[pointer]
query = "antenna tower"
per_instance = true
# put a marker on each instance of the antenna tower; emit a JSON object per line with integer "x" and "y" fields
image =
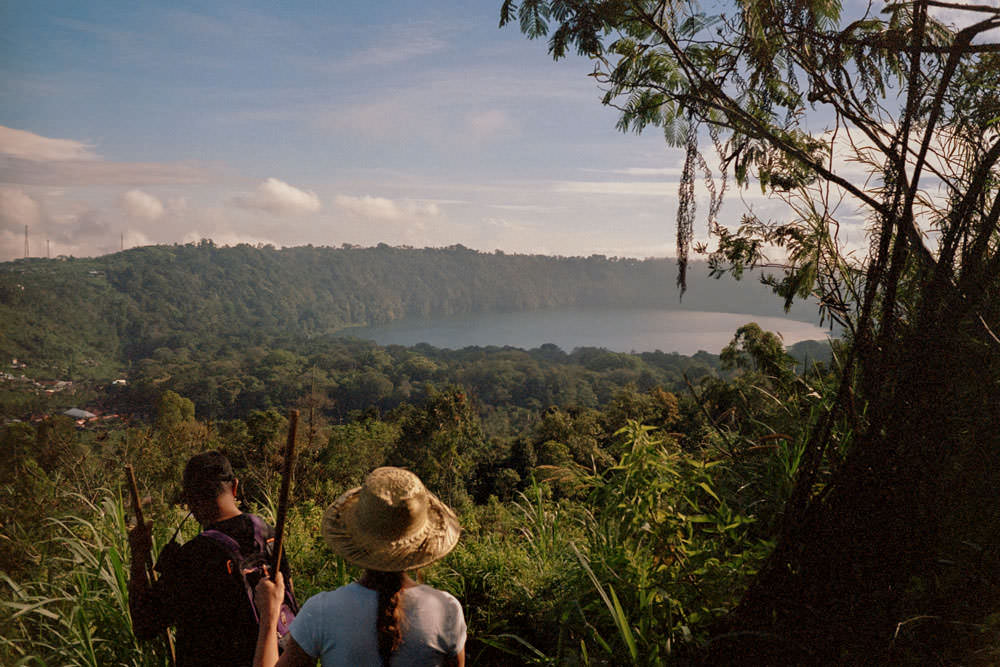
{"x": 26, "y": 241}
{"x": 48, "y": 249}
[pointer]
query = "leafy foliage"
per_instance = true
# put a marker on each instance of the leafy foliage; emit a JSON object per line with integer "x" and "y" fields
{"x": 841, "y": 111}
{"x": 577, "y": 506}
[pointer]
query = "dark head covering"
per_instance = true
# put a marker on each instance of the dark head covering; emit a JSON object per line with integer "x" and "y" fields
{"x": 205, "y": 474}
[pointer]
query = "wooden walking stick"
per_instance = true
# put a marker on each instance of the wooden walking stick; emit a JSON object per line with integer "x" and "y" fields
{"x": 286, "y": 481}
{"x": 150, "y": 571}
{"x": 139, "y": 520}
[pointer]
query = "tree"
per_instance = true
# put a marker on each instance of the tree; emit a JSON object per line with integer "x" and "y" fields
{"x": 441, "y": 442}
{"x": 896, "y": 116}
{"x": 760, "y": 350}
{"x": 173, "y": 410}
{"x": 355, "y": 449}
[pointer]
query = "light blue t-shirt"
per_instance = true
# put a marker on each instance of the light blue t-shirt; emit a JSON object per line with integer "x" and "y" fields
{"x": 339, "y": 627}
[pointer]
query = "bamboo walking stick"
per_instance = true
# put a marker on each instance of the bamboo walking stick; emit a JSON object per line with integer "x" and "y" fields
{"x": 286, "y": 481}
{"x": 150, "y": 571}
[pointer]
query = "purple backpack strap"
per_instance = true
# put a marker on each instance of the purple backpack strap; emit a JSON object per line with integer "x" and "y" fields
{"x": 223, "y": 540}
{"x": 232, "y": 547}
{"x": 260, "y": 529}
{"x": 262, "y": 537}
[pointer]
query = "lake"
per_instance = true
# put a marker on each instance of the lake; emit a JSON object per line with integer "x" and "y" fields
{"x": 620, "y": 330}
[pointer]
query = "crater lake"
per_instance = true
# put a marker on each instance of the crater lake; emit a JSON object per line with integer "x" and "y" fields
{"x": 620, "y": 330}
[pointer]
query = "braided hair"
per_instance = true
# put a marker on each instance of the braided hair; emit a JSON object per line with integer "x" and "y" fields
{"x": 389, "y": 615}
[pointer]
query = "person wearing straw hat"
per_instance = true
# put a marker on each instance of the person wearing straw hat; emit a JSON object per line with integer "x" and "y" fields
{"x": 389, "y": 526}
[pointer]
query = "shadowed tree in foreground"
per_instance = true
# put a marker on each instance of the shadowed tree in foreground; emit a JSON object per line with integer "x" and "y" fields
{"x": 889, "y": 543}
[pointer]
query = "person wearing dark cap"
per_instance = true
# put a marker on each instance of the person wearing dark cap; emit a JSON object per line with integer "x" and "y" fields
{"x": 198, "y": 591}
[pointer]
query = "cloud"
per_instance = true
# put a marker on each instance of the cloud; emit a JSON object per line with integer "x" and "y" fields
{"x": 384, "y": 119}
{"x": 133, "y": 238}
{"x": 528, "y": 208}
{"x": 621, "y": 188}
{"x": 380, "y": 208}
{"x": 81, "y": 231}
{"x": 505, "y": 225}
{"x": 453, "y": 107}
{"x": 484, "y": 125}
{"x": 27, "y": 158}
{"x": 227, "y": 238}
{"x": 138, "y": 204}
{"x": 91, "y": 223}
{"x": 30, "y": 146}
{"x": 961, "y": 17}
{"x": 673, "y": 172}
{"x": 403, "y": 47}
{"x": 17, "y": 209}
{"x": 98, "y": 172}
{"x": 441, "y": 124}
{"x": 278, "y": 197}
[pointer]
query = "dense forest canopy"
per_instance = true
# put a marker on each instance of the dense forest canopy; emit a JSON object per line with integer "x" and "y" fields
{"x": 540, "y": 492}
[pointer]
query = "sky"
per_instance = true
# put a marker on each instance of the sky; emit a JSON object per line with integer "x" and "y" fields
{"x": 324, "y": 123}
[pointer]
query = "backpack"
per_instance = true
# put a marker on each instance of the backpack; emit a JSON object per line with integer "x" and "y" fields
{"x": 248, "y": 569}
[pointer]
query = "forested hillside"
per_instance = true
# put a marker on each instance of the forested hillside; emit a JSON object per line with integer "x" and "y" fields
{"x": 87, "y": 313}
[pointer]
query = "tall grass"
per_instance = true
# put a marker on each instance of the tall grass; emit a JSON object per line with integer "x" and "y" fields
{"x": 77, "y": 613}
{"x": 631, "y": 570}
{"x": 509, "y": 570}
{"x": 659, "y": 555}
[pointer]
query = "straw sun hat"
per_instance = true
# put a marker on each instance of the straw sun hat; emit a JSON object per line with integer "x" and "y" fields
{"x": 392, "y": 523}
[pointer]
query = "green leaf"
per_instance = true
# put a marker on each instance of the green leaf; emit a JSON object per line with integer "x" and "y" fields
{"x": 708, "y": 490}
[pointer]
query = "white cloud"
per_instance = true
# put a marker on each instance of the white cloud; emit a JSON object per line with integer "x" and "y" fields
{"x": 278, "y": 197}
{"x": 138, "y": 204}
{"x": 455, "y": 108}
{"x": 133, "y": 238}
{"x": 27, "y": 158}
{"x": 17, "y": 209}
{"x": 30, "y": 146}
{"x": 79, "y": 230}
{"x": 380, "y": 208}
{"x": 11, "y": 244}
